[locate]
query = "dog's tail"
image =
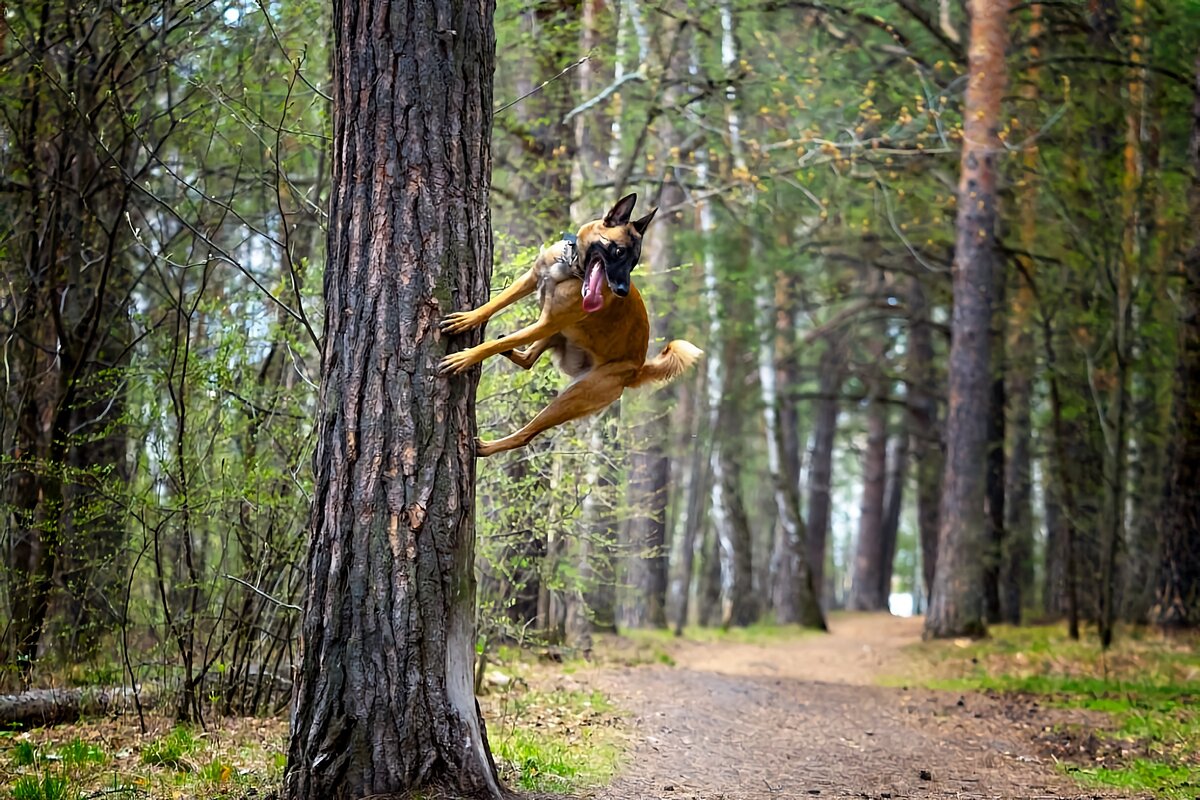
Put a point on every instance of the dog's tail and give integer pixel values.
(677, 356)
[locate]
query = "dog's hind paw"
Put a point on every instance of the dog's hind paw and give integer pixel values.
(458, 322)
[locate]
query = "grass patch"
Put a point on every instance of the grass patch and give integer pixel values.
(1179, 782)
(112, 758)
(24, 754)
(172, 750)
(77, 753)
(562, 739)
(758, 633)
(43, 787)
(1148, 685)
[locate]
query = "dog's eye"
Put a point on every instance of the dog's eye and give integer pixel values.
(618, 251)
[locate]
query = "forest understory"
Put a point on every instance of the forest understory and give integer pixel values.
(866, 711)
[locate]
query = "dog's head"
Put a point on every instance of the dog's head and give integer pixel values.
(609, 248)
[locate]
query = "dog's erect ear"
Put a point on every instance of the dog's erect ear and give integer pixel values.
(619, 215)
(640, 225)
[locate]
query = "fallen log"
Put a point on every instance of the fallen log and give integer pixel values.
(36, 707)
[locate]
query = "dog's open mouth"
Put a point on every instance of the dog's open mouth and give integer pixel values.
(593, 297)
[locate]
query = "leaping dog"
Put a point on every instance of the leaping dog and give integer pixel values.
(592, 318)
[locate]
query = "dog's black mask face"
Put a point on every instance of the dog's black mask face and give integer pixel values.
(618, 259)
(611, 247)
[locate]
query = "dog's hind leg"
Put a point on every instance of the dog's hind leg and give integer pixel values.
(591, 393)
(461, 321)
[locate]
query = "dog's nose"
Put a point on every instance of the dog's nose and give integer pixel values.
(620, 289)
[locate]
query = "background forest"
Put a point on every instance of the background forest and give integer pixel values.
(163, 190)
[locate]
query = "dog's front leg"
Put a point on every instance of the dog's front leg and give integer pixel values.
(455, 363)
(461, 321)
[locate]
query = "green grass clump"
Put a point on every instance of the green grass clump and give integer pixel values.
(1148, 685)
(43, 787)
(24, 754)
(172, 750)
(560, 740)
(78, 753)
(538, 760)
(1180, 782)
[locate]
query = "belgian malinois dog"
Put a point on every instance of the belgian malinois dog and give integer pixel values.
(592, 318)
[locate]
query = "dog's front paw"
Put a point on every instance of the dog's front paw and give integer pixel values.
(458, 322)
(455, 363)
(484, 449)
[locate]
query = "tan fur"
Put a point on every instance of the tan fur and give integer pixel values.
(604, 352)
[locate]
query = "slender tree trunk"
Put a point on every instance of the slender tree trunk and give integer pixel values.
(1054, 600)
(923, 422)
(689, 523)
(597, 552)
(994, 491)
(893, 505)
(383, 698)
(830, 372)
(867, 580)
(956, 607)
(795, 594)
(649, 465)
(1016, 572)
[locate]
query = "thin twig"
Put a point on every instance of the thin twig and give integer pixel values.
(261, 593)
(544, 83)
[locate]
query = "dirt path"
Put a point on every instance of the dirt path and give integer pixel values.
(802, 718)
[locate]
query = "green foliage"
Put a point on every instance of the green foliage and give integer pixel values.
(172, 750)
(1143, 775)
(78, 753)
(24, 754)
(557, 757)
(43, 787)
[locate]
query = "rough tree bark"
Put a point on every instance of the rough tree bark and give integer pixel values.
(956, 607)
(383, 700)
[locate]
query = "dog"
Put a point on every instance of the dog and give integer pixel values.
(592, 318)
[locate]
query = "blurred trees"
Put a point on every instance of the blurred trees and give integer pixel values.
(164, 184)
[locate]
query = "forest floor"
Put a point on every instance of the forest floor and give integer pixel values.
(805, 716)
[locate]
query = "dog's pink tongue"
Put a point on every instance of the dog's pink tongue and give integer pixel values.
(594, 299)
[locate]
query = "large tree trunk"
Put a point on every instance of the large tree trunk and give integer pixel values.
(1178, 602)
(956, 608)
(383, 701)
